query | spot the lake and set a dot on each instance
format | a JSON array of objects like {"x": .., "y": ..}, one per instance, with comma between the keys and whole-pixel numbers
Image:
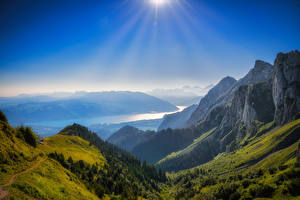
[{"x": 115, "y": 119}]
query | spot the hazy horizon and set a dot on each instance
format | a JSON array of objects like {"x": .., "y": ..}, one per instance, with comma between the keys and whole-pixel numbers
[{"x": 193, "y": 91}]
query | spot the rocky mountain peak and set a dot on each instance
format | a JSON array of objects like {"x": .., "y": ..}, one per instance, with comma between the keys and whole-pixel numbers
[
  {"x": 227, "y": 79},
  {"x": 211, "y": 98},
  {"x": 261, "y": 72}
]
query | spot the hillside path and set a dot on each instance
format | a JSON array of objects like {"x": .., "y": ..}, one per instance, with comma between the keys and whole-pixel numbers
[{"x": 5, "y": 193}]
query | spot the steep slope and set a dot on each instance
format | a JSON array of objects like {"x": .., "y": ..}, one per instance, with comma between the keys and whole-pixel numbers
[
  {"x": 128, "y": 137},
  {"x": 241, "y": 112},
  {"x": 189, "y": 156},
  {"x": 221, "y": 115},
  {"x": 178, "y": 119},
  {"x": 27, "y": 173},
  {"x": 163, "y": 143},
  {"x": 210, "y": 99},
  {"x": 122, "y": 175},
  {"x": 264, "y": 168},
  {"x": 237, "y": 115},
  {"x": 252, "y": 106}
]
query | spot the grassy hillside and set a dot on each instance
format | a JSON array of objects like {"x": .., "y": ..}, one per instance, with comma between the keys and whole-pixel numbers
[
  {"x": 184, "y": 157},
  {"x": 49, "y": 181},
  {"x": 74, "y": 164},
  {"x": 74, "y": 146},
  {"x": 32, "y": 175},
  {"x": 264, "y": 168}
]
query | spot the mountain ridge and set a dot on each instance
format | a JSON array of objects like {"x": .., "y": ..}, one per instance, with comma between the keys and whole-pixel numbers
[
  {"x": 83, "y": 105},
  {"x": 128, "y": 137},
  {"x": 238, "y": 114}
]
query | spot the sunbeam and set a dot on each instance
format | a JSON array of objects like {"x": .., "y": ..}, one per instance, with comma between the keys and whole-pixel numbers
[{"x": 158, "y": 2}]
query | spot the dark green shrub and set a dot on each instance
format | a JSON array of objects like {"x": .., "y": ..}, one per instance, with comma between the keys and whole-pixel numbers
[
  {"x": 235, "y": 196},
  {"x": 282, "y": 167},
  {"x": 208, "y": 181},
  {"x": 3, "y": 117},
  {"x": 99, "y": 190},
  {"x": 261, "y": 191},
  {"x": 272, "y": 170},
  {"x": 27, "y": 135},
  {"x": 30, "y": 190},
  {"x": 297, "y": 164},
  {"x": 294, "y": 187},
  {"x": 224, "y": 191},
  {"x": 246, "y": 183},
  {"x": 2, "y": 159},
  {"x": 259, "y": 173}
]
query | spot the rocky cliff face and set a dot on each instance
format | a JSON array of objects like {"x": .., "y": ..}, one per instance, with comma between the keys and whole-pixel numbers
[
  {"x": 224, "y": 91},
  {"x": 286, "y": 86},
  {"x": 249, "y": 104},
  {"x": 234, "y": 115},
  {"x": 177, "y": 120},
  {"x": 259, "y": 104},
  {"x": 261, "y": 72},
  {"x": 210, "y": 99}
]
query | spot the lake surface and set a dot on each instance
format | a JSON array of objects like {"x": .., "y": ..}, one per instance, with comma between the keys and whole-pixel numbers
[{"x": 104, "y": 119}]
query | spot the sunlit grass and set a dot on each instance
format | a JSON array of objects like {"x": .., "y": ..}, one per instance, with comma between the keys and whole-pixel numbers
[
  {"x": 188, "y": 148},
  {"x": 50, "y": 181},
  {"x": 74, "y": 146}
]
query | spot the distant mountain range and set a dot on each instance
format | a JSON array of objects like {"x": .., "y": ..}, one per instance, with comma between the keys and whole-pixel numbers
[
  {"x": 25, "y": 109},
  {"x": 106, "y": 130},
  {"x": 185, "y": 96}
]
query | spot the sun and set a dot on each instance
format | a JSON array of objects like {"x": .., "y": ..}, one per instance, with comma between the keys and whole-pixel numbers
[{"x": 158, "y": 2}]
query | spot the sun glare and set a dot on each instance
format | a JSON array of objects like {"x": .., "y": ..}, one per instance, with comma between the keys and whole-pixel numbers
[{"x": 158, "y": 2}]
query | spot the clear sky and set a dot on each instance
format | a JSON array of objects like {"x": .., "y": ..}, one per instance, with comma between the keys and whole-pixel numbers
[{"x": 71, "y": 45}]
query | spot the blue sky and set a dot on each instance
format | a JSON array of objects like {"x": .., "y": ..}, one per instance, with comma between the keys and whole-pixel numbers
[{"x": 72, "y": 45}]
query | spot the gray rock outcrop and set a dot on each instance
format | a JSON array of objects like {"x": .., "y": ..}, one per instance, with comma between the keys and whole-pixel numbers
[
  {"x": 286, "y": 86},
  {"x": 224, "y": 91},
  {"x": 210, "y": 99}
]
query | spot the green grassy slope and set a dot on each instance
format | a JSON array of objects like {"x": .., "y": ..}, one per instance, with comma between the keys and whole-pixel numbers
[
  {"x": 74, "y": 164},
  {"x": 188, "y": 148},
  {"x": 50, "y": 181},
  {"x": 39, "y": 177},
  {"x": 74, "y": 146},
  {"x": 264, "y": 168},
  {"x": 187, "y": 156}
]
